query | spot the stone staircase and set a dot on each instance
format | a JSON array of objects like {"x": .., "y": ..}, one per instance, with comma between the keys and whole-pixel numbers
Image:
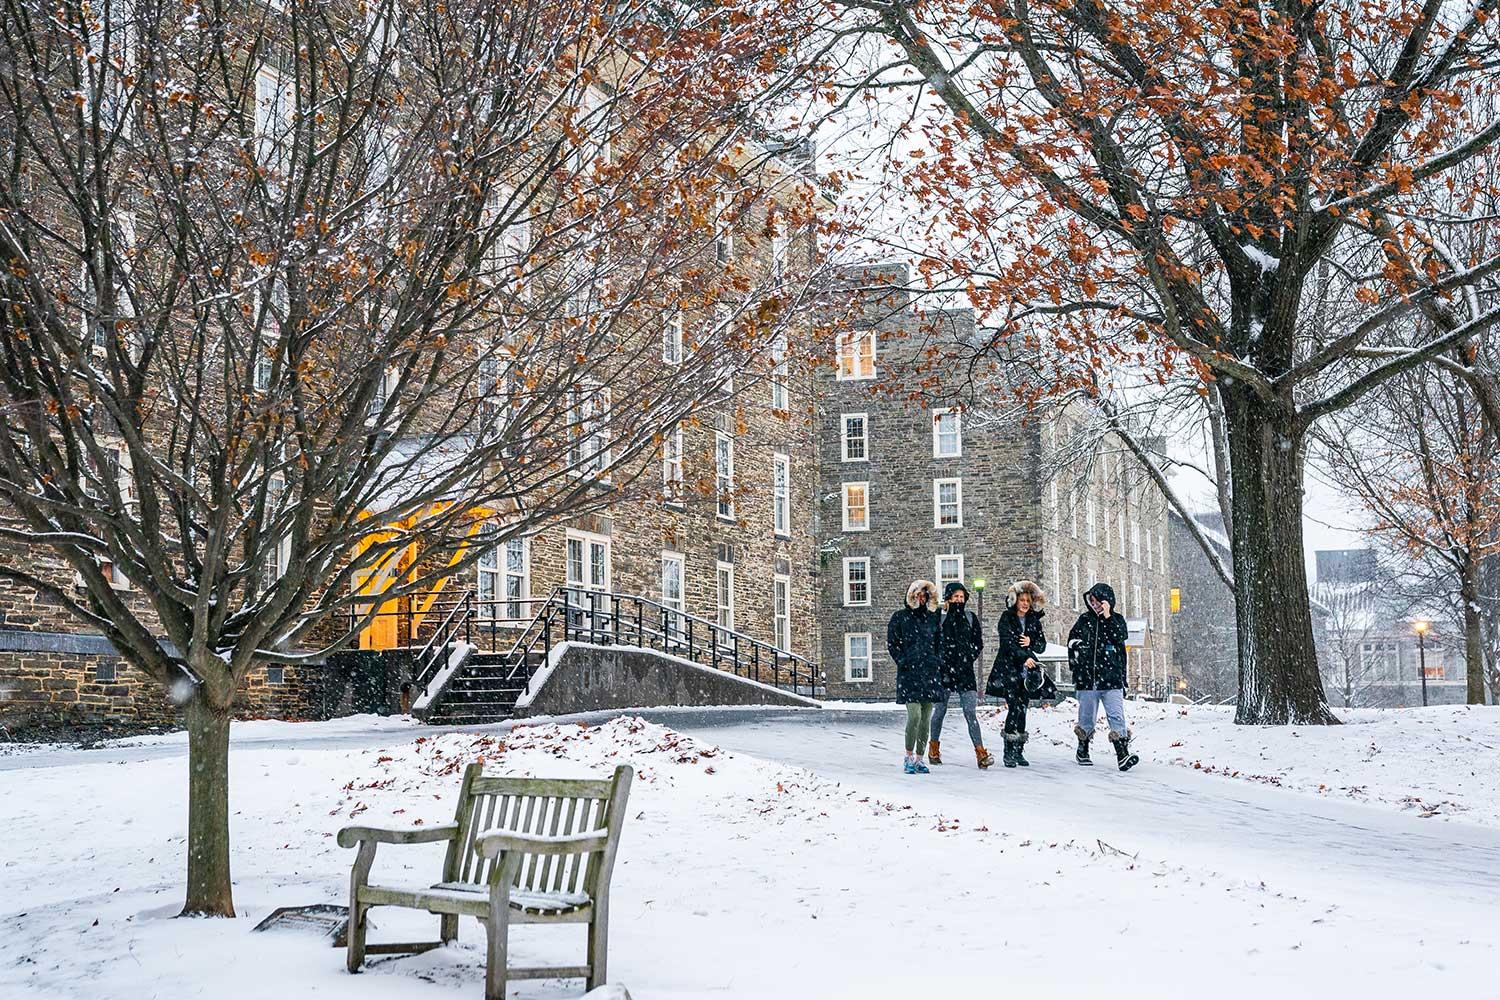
[{"x": 484, "y": 690}]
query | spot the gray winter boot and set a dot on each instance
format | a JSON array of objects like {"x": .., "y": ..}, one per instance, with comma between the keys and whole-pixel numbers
[
  {"x": 1012, "y": 749},
  {"x": 1082, "y": 754}
]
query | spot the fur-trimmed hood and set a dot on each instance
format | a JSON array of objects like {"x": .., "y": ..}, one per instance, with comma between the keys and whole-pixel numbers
[
  {"x": 1038, "y": 596},
  {"x": 917, "y": 586}
]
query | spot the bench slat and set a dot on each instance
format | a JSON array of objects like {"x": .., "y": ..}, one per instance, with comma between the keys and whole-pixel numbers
[{"x": 586, "y": 788}]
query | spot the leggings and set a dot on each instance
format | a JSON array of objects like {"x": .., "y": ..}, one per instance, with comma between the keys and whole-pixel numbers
[
  {"x": 969, "y": 701},
  {"x": 918, "y": 719},
  {"x": 1015, "y": 709}
]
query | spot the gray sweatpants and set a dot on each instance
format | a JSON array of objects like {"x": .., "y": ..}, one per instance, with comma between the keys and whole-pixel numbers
[{"x": 969, "y": 701}]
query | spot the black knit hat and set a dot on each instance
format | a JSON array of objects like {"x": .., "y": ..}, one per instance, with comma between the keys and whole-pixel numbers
[{"x": 953, "y": 587}]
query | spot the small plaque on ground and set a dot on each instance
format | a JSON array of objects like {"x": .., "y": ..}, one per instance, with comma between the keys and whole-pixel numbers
[{"x": 328, "y": 919}]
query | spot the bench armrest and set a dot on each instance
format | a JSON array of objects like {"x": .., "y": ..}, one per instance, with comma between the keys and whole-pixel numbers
[
  {"x": 351, "y": 835},
  {"x": 490, "y": 845}
]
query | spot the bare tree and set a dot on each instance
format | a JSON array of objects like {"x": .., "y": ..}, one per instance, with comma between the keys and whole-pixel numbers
[{"x": 303, "y": 305}]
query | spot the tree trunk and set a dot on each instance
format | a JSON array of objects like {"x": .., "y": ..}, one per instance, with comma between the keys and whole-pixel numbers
[
  {"x": 1279, "y": 681},
  {"x": 1473, "y": 634},
  {"x": 209, "y": 890}
]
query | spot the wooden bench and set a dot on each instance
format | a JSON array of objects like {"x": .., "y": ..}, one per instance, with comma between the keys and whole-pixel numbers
[{"x": 520, "y": 851}]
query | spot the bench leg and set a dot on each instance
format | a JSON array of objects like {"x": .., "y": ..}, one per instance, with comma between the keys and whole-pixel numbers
[
  {"x": 448, "y": 927},
  {"x": 497, "y": 930},
  {"x": 598, "y": 950},
  {"x": 356, "y": 936}
]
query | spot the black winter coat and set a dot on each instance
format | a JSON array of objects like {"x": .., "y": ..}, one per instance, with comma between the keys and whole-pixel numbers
[
  {"x": 1096, "y": 646},
  {"x": 912, "y": 640},
  {"x": 1012, "y": 656},
  {"x": 960, "y": 641}
]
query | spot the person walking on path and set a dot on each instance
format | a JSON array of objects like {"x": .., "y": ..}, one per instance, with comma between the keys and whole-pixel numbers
[
  {"x": 960, "y": 641},
  {"x": 1096, "y": 652},
  {"x": 912, "y": 640},
  {"x": 1021, "y": 639}
]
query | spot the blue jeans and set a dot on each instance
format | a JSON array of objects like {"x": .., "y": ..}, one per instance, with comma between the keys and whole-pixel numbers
[
  {"x": 969, "y": 702},
  {"x": 1114, "y": 711}
]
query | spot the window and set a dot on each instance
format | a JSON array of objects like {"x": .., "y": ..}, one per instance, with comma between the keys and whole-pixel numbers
[
  {"x": 1056, "y": 507},
  {"x": 856, "y": 355},
  {"x": 1091, "y": 575},
  {"x": 671, "y": 465},
  {"x": 588, "y": 561},
  {"x": 491, "y": 393},
  {"x": 274, "y": 103},
  {"x": 385, "y": 385},
  {"x": 947, "y": 440},
  {"x": 1380, "y": 659},
  {"x": 1120, "y": 524},
  {"x": 594, "y": 131},
  {"x": 724, "y": 594},
  {"x": 1073, "y": 511},
  {"x": 1091, "y": 519},
  {"x": 671, "y": 591},
  {"x": 1149, "y": 562},
  {"x": 671, "y": 338},
  {"x": 781, "y": 253},
  {"x": 589, "y": 455},
  {"x": 277, "y": 308},
  {"x": 505, "y": 580},
  {"x": 105, "y": 672},
  {"x": 276, "y": 675},
  {"x": 856, "y": 581},
  {"x": 781, "y": 494},
  {"x": 724, "y": 474},
  {"x": 856, "y": 506},
  {"x": 509, "y": 247},
  {"x": 947, "y": 503},
  {"x": 1135, "y": 541},
  {"x": 781, "y": 610},
  {"x": 1135, "y": 593},
  {"x": 1056, "y": 576},
  {"x": 857, "y": 657},
  {"x": 114, "y": 44},
  {"x": 278, "y": 556},
  {"x": 1077, "y": 591},
  {"x": 382, "y": 36},
  {"x": 950, "y": 569},
  {"x": 780, "y": 400},
  {"x": 723, "y": 226},
  {"x": 855, "y": 437}
]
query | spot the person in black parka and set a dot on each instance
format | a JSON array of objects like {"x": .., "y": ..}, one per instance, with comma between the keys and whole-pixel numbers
[
  {"x": 1096, "y": 653},
  {"x": 960, "y": 641},
  {"x": 912, "y": 640},
  {"x": 1021, "y": 639}
]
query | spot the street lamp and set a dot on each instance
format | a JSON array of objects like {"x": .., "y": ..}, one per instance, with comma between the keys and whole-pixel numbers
[
  {"x": 1421, "y": 627},
  {"x": 979, "y": 589}
]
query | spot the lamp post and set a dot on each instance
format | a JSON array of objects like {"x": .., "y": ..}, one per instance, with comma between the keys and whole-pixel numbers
[
  {"x": 1421, "y": 627},
  {"x": 979, "y": 590}
]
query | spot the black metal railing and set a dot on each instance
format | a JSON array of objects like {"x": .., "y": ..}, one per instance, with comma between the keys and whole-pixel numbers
[{"x": 575, "y": 614}]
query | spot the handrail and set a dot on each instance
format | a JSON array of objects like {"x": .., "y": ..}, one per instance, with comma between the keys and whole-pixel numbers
[{"x": 442, "y": 637}]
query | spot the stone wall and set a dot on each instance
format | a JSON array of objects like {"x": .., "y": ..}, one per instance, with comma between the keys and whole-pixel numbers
[{"x": 51, "y": 682}]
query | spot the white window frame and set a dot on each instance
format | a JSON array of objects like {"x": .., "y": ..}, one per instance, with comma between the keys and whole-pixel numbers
[
  {"x": 587, "y": 541},
  {"x": 864, "y": 437},
  {"x": 938, "y": 416},
  {"x": 1091, "y": 518},
  {"x": 1056, "y": 506},
  {"x": 724, "y": 595},
  {"x": 781, "y": 610},
  {"x": 864, "y": 486},
  {"x": 274, "y": 117},
  {"x": 937, "y": 502},
  {"x": 1056, "y": 574},
  {"x": 1135, "y": 541},
  {"x": 281, "y": 554},
  {"x": 723, "y": 226},
  {"x": 937, "y": 567},
  {"x": 849, "y": 660},
  {"x": 858, "y": 355},
  {"x": 724, "y": 475},
  {"x": 1073, "y": 511},
  {"x": 587, "y": 419},
  {"x": 671, "y": 338},
  {"x": 780, "y": 398},
  {"x": 781, "y": 495},
  {"x": 382, "y": 36},
  {"x": 672, "y": 478},
  {"x": 1077, "y": 590},
  {"x": 781, "y": 254},
  {"x": 849, "y": 563}
]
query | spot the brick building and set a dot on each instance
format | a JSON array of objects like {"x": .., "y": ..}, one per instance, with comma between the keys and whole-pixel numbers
[{"x": 912, "y": 492}]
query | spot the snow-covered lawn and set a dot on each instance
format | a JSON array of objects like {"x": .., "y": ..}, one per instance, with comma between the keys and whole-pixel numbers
[
  {"x": 741, "y": 877},
  {"x": 1438, "y": 762}
]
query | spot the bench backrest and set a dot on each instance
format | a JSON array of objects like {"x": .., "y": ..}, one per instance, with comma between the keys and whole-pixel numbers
[{"x": 550, "y": 807}]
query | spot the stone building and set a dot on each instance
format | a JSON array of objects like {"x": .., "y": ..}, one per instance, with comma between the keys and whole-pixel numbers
[
  {"x": 910, "y": 491},
  {"x": 1209, "y": 663}
]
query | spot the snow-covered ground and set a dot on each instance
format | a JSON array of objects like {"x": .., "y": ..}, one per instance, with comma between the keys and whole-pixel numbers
[{"x": 783, "y": 854}]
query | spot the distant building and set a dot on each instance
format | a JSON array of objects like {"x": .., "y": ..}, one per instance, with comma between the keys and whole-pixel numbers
[
  {"x": 1209, "y": 663},
  {"x": 1371, "y": 655}
]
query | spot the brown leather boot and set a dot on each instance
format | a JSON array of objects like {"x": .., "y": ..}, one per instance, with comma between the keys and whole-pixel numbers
[
  {"x": 984, "y": 758},
  {"x": 933, "y": 757}
]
